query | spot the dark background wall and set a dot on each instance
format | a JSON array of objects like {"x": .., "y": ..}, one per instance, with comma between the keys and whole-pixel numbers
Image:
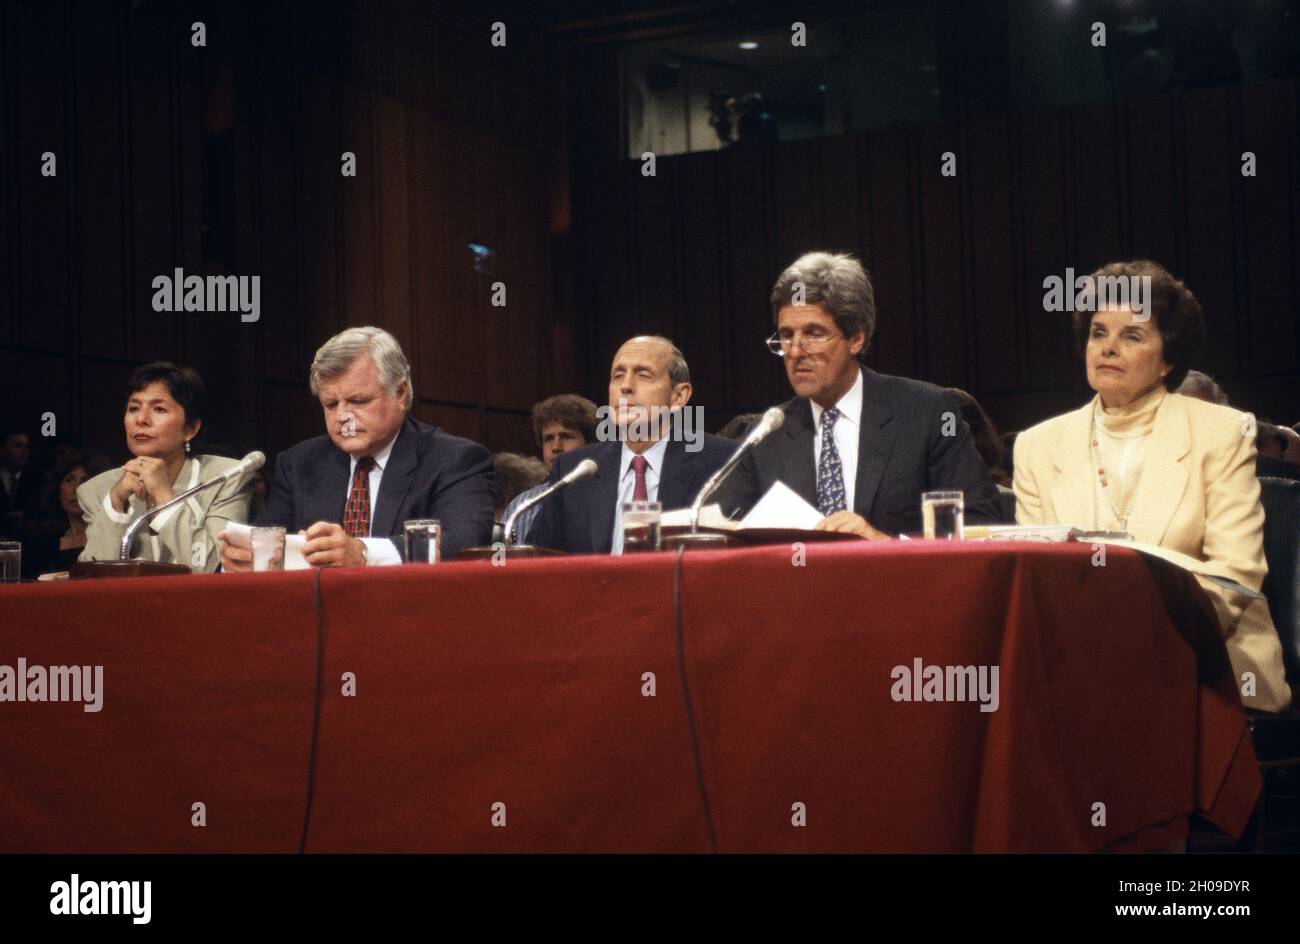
[{"x": 226, "y": 160}]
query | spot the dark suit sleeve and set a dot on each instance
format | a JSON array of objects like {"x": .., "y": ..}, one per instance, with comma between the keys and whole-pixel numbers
[
  {"x": 955, "y": 463},
  {"x": 465, "y": 500},
  {"x": 547, "y": 527},
  {"x": 279, "y": 511},
  {"x": 741, "y": 491}
]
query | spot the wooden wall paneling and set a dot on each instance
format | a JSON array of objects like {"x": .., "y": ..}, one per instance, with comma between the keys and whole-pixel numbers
[
  {"x": 44, "y": 238},
  {"x": 439, "y": 368},
  {"x": 9, "y": 200},
  {"x": 319, "y": 184},
  {"x": 1094, "y": 149},
  {"x": 292, "y": 416},
  {"x": 1211, "y": 222},
  {"x": 706, "y": 333},
  {"x": 1267, "y": 200},
  {"x": 466, "y": 421},
  {"x": 795, "y": 202},
  {"x": 996, "y": 326},
  {"x": 888, "y": 205},
  {"x": 458, "y": 324},
  {"x": 943, "y": 254},
  {"x": 33, "y": 384},
  {"x": 759, "y": 380},
  {"x": 279, "y": 166},
  {"x": 394, "y": 232},
  {"x": 497, "y": 359},
  {"x": 652, "y": 309},
  {"x": 1044, "y": 191},
  {"x": 1152, "y": 181},
  {"x": 360, "y": 259},
  {"x": 152, "y": 194},
  {"x": 508, "y": 432},
  {"x": 839, "y": 207},
  {"x": 101, "y": 248},
  {"x": 102, "y": 407}
]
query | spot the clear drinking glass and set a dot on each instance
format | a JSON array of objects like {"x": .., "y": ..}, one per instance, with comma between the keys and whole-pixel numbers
[
  {"x": 641, "y": 526},
  {"x": 11, "y": 561},
  {"x": 942, "y": 515},
  {"x": 423, "y": 540},
  {"x": 268, "y": 549}
]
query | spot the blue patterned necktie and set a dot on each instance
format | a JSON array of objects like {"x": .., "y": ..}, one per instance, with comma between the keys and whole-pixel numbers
[{"x": 830, "y": 474}]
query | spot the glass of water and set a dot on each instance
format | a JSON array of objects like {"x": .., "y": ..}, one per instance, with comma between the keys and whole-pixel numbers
[
  {"x": 268, "y": 548},
  {"x": 641, "y": 526},
  {"x": 11, "y": 561},
  {"x": 423, "y": 541},
  {"x": 942, "y": 515}
]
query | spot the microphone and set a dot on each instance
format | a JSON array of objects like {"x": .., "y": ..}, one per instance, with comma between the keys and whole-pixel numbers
[
  {"x": 250, "y": 463},
  {"x": 583, "y": 470},
  {"x": 770, "y": 422}
]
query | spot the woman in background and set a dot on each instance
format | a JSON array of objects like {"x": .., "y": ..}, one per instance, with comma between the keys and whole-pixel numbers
[
  {"x": 163, "y": 413},
  {"x": 56, "y": 534}
]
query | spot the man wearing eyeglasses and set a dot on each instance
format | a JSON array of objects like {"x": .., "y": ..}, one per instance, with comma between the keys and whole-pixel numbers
[{"x": 858, "y": 445}]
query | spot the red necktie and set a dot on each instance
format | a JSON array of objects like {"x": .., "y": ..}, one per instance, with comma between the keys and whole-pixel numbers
[
  {"x": 356, "y": 513},
  {"x": 639, "y": 465}
]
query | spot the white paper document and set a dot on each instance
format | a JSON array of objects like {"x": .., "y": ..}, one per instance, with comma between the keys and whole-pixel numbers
[
  {"x": 241, "y": 536},
  {"x": 781, "y": 507}
]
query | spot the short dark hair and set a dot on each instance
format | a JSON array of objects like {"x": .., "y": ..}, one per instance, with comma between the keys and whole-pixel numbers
[
  {"x": 513, "y": 474},
  {"x": 1173, "y": 309},
  {"x": 983, "y": 432},
  {"x": 183, "y": 383},
  {"x": 7, "y": 430},
  {"x": 570, "y": 411},
  {"x": 1267, "y": 434},
  {"x": 738, "y": 427}
]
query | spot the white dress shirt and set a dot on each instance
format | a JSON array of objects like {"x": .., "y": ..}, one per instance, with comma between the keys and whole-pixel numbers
[
  {"x": 379, "y": 551},
  {"x": 845, "y": 433},
  {"x": 654, "y": 457}
]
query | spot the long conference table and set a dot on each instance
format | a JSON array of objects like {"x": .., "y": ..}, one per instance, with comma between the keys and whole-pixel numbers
[{"x": 739, "y": 701}]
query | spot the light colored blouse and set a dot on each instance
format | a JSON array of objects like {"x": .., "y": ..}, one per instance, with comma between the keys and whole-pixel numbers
[{"x": 1122, "y": 435}]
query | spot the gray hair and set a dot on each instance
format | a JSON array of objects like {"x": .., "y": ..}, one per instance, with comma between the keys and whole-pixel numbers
[
  {"x": 840, "y": 283},
  {"x": 340, "y": 352},
  {"x": 678, "y": 372}
]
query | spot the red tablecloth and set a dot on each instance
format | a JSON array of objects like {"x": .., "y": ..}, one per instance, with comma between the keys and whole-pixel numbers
[{"x": 524, "y": 685}]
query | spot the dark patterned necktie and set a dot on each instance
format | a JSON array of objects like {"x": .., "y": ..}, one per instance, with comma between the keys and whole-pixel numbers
[
  {"x": 356, "y": 513},
  {"x": 830, "y": 474}
]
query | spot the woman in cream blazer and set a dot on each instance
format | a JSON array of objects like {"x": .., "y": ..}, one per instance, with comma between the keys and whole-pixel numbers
[
  {"x": 1172, "y": 471},
  {"x": 164, "y": 412}
]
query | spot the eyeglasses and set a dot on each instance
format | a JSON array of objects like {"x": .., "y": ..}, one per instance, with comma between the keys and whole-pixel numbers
[{"x": 812, "y": 344}]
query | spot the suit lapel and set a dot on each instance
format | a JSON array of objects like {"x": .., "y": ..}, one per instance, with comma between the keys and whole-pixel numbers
[
  {"x": 326, "y": 502},
  {"x": 875, "y": 445},
  {"x": 396, "y": 481},
  {"x": 674, "y": 477},
  {"x": 1164, "y": 473},
  {"x": 605, "y": 493},
  {"x": 1073, "y": 487},
  {"x": 798, "y": 469}
]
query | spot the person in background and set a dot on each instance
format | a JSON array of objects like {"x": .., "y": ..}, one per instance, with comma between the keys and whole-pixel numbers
[
  {"x": 561, "y": 423},
  {"x": 1170, "y": 470},
  {"x": 164, "y": 412},
  {"x": 738, "y": 427},
  {"x": 1274, "y": 445},
  {"x": 988, "y": 443},
  {"x": 20, "y": 486},
  {"x": 1202, "y": 387},
  {"x": 56, "y": 531},
  {"x": 514, "y": 474}
]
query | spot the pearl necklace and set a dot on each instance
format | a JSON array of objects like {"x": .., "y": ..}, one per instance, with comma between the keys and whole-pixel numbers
[{"x": 1101, "y": 473}]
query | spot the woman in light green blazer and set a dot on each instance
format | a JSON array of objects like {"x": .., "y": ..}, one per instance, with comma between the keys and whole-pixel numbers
[{"x": 164, "y": 411}]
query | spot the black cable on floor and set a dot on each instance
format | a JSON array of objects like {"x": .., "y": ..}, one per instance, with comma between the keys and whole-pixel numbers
[
  {"x": 315, "y": 711},
  {"x": 686, "y": 697}
]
